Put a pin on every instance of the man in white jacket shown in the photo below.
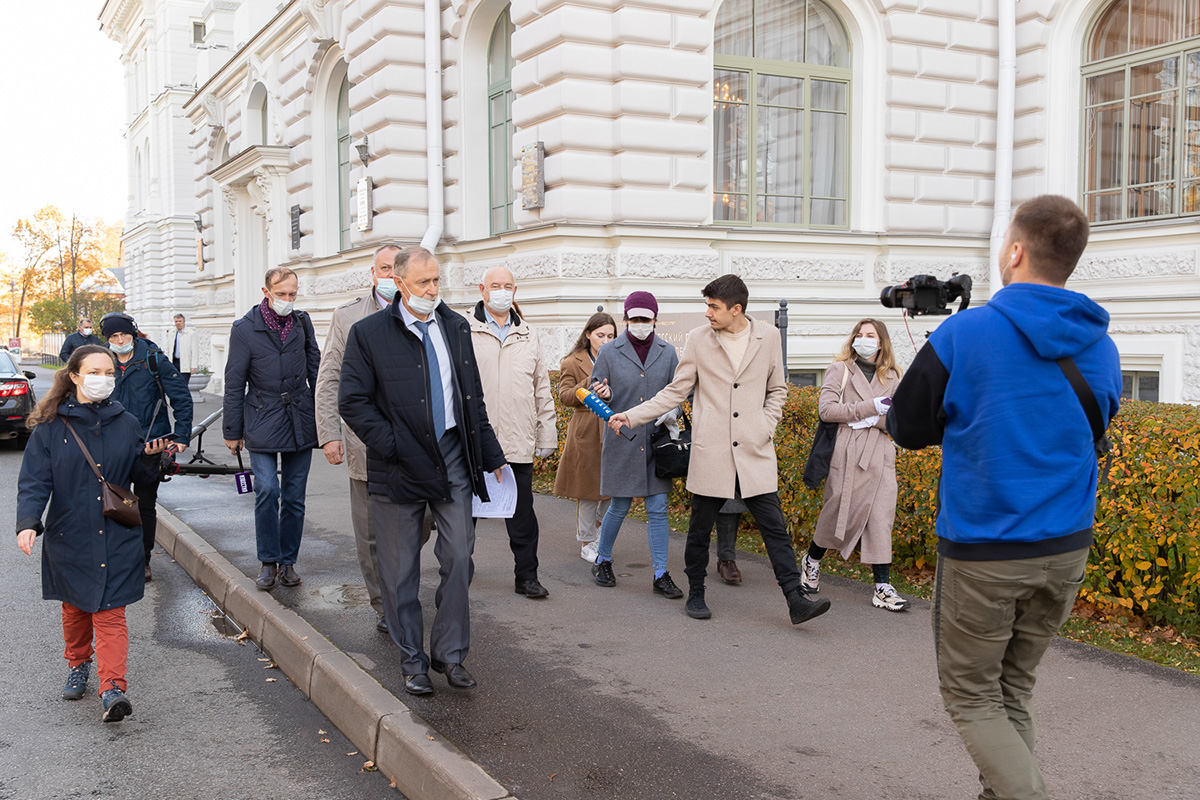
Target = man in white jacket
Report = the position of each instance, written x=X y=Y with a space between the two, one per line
x=520 y=407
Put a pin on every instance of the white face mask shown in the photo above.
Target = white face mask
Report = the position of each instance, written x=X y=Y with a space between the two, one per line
x=86 y=331
x=282 y=307
x=97 y=387
x=640 y=330
x=421 y=305
x=386 y=288
x=866 y=347
x=121 y=349
x=500 y=300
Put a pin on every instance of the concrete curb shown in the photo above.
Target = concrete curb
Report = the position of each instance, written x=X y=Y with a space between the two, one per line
x=423 y=764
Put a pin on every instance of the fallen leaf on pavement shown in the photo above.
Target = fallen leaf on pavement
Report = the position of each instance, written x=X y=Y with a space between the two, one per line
x=243 y=636
x=392 y=783
x=352 y=753
x=272 y=665
x=430 y=738
x=320 y=731
x=270 y=680
x=369 y=766
x=326 y=741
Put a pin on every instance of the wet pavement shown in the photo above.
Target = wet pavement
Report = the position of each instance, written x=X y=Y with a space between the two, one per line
x=615 y=693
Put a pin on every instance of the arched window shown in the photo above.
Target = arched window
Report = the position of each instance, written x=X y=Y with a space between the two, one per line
x=1142 y=111
x=500 y=125
x=256 y=115
x=343 y=163
x=781 y=107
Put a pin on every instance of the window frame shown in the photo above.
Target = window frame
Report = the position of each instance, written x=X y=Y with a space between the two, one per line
x=753 y=67
x=1135 y=376
x=497 y=89
x=343 y=167
x=1180 y=50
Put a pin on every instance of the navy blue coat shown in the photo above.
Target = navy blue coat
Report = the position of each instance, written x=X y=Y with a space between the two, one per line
x=75 y=341
x=269 y=385
x=88 y=560
x=138 y=392
x=384 y=397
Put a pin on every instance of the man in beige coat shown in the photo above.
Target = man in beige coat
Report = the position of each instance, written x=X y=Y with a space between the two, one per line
x=341 y=444
x=734 y=366
x=520 y=406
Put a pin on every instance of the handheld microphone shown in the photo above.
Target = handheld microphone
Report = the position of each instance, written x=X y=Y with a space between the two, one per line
x=598 y=407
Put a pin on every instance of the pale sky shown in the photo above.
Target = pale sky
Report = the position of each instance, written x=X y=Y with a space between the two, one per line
x=62 y=108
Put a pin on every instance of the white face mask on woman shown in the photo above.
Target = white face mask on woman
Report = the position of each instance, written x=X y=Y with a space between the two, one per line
x=97 y=387
x=640 y=330
x=866 y=347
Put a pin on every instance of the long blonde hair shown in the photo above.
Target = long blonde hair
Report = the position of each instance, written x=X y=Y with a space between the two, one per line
x=63 y=387
x=885 y=360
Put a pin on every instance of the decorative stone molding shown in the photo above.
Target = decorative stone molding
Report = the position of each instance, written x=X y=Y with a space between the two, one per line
x=1137 y=265
x=588 y=265
x=225 y=297
x=694 y=266
x=352 y=280
x=806 y=269
x=1191 y=352
x=901 y=269
x=315 y=15
x=231 y=206
x=541 y=265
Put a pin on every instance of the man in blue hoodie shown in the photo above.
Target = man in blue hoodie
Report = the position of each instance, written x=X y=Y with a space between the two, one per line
x=1018 y=487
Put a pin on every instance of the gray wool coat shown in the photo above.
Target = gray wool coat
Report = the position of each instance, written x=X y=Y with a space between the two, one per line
x=627 y=468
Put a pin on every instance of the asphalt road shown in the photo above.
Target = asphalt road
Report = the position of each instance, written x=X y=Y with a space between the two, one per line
x=615 y=693
x=207 y=723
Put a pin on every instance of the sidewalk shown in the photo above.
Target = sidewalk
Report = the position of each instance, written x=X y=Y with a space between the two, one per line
x=615 y=693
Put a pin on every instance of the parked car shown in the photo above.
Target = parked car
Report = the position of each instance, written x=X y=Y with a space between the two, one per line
x=16 y=399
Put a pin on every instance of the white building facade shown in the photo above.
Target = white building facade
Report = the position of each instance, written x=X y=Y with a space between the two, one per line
x=821 y=149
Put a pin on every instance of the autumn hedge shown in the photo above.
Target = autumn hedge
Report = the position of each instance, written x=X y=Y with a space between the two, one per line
x=1146 y=557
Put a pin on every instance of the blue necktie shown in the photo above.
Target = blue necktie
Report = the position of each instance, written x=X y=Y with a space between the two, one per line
x=435 y=381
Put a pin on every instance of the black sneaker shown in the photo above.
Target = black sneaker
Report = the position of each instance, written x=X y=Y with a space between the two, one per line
x=666 y=587
x=602 y=572
x=116 y=705
x=695 y=607
x=77 y=681
x=801 y=609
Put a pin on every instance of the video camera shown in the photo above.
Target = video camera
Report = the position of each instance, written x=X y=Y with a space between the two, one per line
x=925 y=294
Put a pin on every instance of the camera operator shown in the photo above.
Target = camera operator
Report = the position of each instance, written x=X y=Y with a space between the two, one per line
x=146 y=383
x=1017 y=498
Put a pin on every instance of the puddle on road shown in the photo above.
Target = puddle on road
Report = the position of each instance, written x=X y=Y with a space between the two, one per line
x=347 y=594
x=225 y=626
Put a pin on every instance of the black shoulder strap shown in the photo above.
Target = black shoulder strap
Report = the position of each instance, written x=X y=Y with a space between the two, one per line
x=1087 y=398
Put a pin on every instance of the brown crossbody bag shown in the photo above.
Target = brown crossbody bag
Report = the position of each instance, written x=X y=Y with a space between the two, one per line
x=120 y=504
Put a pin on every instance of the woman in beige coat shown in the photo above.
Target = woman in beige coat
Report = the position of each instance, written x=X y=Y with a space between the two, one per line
x=578 y=476
x=860 y=492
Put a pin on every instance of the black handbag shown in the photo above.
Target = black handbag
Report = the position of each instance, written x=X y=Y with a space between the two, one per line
x=671 y=455
x=816 y=469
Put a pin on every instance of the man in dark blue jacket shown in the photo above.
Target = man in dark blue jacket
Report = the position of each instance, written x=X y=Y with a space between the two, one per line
x=78 y=339
x=147 y=383
x=410 y=389
x=1018 y=487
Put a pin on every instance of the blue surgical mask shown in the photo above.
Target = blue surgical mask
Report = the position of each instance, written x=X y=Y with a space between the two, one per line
x=386 y=288
x=121 y=349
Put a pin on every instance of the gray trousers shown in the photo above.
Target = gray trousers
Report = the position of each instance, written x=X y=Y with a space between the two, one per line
x=992 y=623
x=398 y=547
x=361 y=519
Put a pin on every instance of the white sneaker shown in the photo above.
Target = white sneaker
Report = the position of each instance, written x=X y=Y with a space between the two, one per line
x=810 y=575
x=886 y=597
x=588 y=551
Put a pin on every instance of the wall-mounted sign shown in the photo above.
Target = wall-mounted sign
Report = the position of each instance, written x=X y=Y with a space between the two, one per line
x=533 y=180
x=296 y=227
x=366 y=209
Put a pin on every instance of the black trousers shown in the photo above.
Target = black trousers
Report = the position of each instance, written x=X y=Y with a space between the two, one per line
x=768 y=515
x=523 y=526
x=147 y=495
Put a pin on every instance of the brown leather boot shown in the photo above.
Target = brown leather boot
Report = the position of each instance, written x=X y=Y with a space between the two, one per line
x=729 y=572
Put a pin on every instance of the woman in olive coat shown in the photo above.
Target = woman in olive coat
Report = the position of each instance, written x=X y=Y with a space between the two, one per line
x=578 y=476
x=92 y=564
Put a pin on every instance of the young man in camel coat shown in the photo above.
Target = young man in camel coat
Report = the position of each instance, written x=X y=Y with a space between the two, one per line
x=734 y=365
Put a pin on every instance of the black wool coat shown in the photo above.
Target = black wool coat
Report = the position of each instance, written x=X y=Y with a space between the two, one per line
x=138 y=391
x=269 y=385
x=75 y=341
x=384 y=397
x=92 y=562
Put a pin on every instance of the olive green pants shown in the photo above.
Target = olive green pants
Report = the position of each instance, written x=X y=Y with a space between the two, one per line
x=992 y=622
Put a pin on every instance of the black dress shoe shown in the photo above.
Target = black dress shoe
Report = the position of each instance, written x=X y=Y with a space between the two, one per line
x=266 y=579
x=456 y=674
x=288 y=576
x=531 y=588
x=149 y=577
x=418 y=684
x=602 y=571
x=381 y=624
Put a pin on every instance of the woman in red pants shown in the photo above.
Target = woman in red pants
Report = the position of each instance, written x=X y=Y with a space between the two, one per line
x=93 y=564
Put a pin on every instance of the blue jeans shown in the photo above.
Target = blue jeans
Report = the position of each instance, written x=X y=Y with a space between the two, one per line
x=279 y=504
x=656 y=532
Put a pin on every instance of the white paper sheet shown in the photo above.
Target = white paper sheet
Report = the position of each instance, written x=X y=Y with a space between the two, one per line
x=503 y=503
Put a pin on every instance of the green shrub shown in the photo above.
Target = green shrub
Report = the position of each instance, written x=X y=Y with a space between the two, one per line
x=1146 y=559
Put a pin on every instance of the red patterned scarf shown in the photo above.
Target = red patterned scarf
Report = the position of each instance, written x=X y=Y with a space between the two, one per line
x=281 y=325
